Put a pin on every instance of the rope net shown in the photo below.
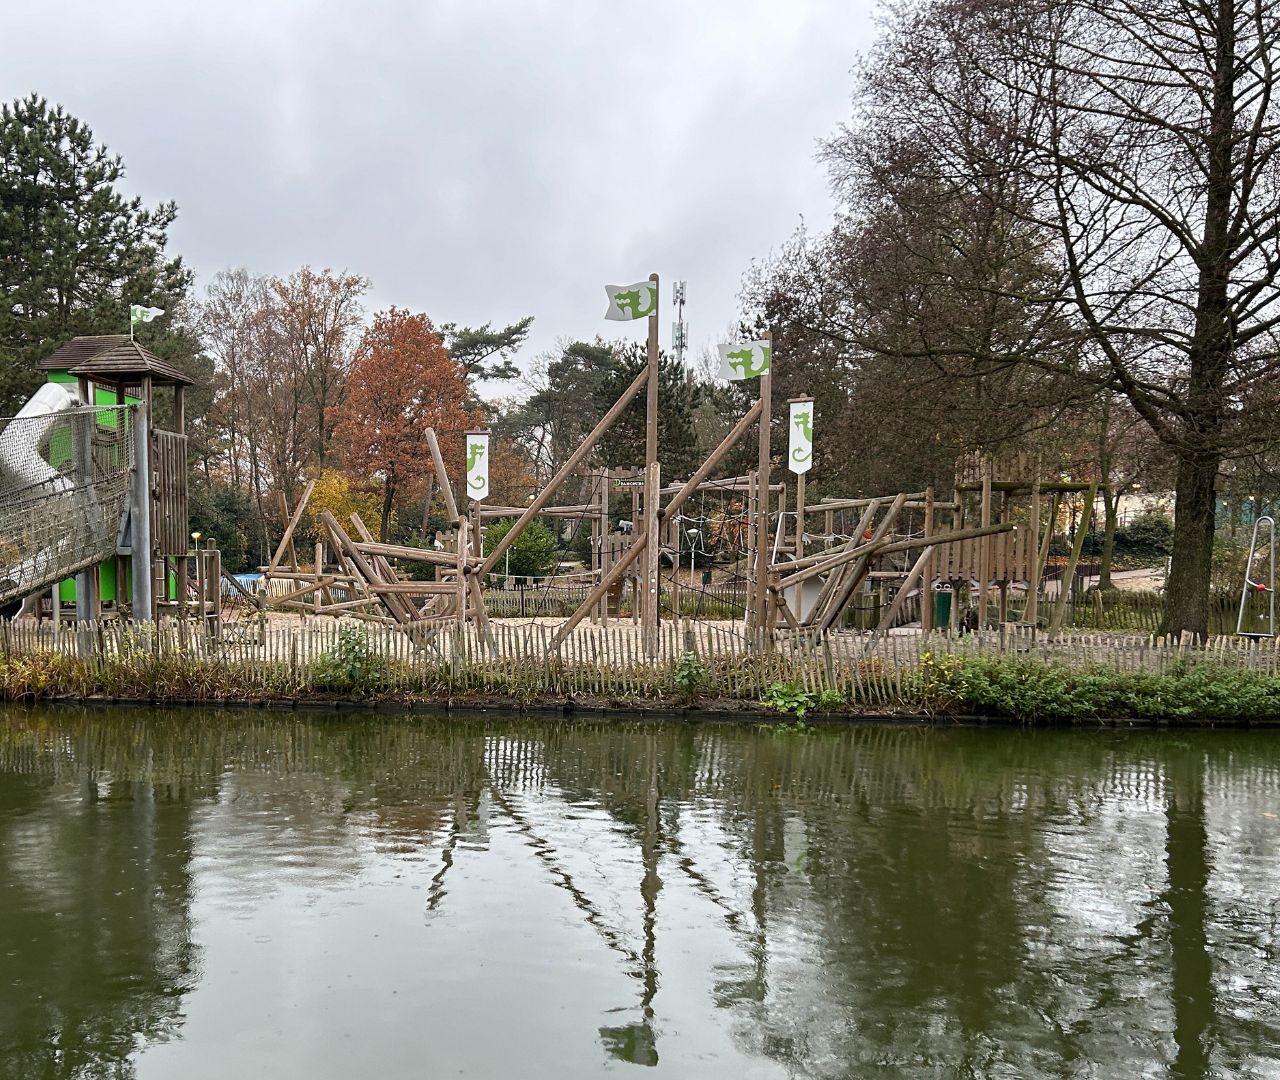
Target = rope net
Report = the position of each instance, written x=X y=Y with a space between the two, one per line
x=64 y=484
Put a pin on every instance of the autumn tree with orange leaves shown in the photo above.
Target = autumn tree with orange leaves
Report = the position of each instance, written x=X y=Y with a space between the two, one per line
x=403 y=381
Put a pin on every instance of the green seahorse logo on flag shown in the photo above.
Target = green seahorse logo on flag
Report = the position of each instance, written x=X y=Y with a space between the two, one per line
x=478 y=464
x=745 y=360
x=627 y=302
x=800 y=437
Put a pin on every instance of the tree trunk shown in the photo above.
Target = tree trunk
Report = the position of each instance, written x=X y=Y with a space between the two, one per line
x=1199 y=455
x=388 y=493
x=1186 y=604
x=1110 y=503
x=426 y=506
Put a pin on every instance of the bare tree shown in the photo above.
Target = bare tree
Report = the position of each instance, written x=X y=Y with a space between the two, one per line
x=1157 y=155
x=318 y=317
x=1119 y=157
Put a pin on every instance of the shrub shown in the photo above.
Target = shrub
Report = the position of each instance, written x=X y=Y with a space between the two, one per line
x=534 y=552
x=690 y=675
x=351 y=665
x=1148 y=535
x=788 y=697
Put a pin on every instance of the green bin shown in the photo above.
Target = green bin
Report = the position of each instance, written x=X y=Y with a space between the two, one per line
x=941 y=609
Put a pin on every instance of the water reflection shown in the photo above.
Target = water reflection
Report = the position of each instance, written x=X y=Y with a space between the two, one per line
x=192 y=894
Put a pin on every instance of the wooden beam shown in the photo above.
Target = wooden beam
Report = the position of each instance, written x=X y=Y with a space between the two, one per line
x=652 y=583
x=410 y=554
x=310 y=587
x=886 y=547
x=926 y=595
x=402 y=612
x=286 y=541
x=763 y=538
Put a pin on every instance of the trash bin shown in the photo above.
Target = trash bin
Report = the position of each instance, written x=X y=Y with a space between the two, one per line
x=941 y=609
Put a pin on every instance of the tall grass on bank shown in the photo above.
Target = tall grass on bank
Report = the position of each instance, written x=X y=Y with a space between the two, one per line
x=1020 y=689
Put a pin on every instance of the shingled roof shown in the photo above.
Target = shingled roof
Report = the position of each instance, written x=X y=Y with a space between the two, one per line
x=113 y=358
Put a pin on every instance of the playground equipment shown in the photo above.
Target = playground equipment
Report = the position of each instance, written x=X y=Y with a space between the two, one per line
x=990 y=537
x=90 y=487
x=995 y=537
x=1251 y=589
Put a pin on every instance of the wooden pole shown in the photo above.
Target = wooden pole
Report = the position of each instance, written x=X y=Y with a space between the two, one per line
x=799 y=548
x=602 y=563
x=763 y=539
x=140 y=597
x=1031 y=612
x=1060 y=605
x=475 y=586
x=842 y=596
x=753 y=543
x=652 y=586
x=652 y=519
x=917 y=572
x=291 y=523
x=463 y=529
x=651 y=395
x=984 y=548
x=926 y=586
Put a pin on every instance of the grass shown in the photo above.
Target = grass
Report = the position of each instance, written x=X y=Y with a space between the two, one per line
x=1019 y=690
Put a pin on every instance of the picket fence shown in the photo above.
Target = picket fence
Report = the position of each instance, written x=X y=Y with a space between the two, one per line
x=605 y=662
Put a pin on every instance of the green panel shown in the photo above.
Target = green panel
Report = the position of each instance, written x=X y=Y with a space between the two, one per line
x=106 y=584
x=107 y=581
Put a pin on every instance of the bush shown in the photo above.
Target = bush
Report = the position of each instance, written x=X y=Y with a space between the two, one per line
x=351 y=665
x=534 y=553
x=1148 y=535
x=1030 y=691
x=690 y=675
x=789 y=697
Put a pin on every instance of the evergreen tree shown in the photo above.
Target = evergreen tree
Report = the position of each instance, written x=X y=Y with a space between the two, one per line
x=74 y=251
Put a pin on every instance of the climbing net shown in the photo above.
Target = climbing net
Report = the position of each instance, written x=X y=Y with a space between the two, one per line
x=64 y=484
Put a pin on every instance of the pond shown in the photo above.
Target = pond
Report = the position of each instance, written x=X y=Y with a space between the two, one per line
x=209 y=894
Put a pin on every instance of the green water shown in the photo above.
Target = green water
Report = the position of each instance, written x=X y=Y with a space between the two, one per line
x=201 y=894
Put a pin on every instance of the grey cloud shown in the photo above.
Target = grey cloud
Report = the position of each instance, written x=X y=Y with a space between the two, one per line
x=442 y=148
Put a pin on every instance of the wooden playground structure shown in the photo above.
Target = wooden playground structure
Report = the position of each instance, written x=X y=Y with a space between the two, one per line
x=991 y=537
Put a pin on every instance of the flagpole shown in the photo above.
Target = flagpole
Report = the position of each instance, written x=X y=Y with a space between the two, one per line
x=761 y=583
x=653 y=483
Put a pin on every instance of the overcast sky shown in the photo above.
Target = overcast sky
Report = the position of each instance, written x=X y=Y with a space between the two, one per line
x=476 y=160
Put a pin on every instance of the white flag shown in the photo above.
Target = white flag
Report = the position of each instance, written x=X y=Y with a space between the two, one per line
x=138 y=313
x=745 y=360
x=478 y=464
x=627 y=302
x=800 y=440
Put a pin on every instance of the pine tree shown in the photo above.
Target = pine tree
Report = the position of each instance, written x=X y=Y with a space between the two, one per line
x=74 y=251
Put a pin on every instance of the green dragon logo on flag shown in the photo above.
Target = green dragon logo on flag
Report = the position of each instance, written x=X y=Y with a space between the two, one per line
x=628 y=302
x=632 y=303
x=745 y=361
